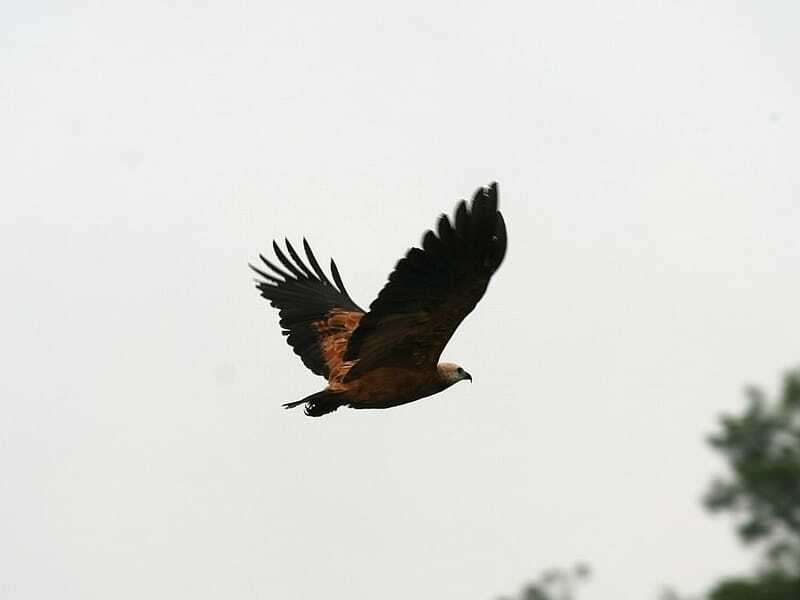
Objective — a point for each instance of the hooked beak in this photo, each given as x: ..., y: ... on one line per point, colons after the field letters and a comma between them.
x: 468, y: 376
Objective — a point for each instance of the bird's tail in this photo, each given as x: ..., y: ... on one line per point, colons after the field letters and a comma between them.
x: 320, y: 403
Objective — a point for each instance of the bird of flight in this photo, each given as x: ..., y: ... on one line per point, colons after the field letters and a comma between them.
x: 388, y: 355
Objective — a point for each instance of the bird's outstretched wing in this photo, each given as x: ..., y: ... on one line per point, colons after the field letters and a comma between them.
x: 431, y: 290
x: 317, y: 316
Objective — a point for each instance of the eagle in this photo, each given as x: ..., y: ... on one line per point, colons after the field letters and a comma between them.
x: 389, y: 355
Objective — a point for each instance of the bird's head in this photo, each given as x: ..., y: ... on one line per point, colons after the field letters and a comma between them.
x: 450, y: 373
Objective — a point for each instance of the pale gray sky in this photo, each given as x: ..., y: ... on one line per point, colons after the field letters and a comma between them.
x: 647, y: 155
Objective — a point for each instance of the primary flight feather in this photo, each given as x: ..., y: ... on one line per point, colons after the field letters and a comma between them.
x: 388, y: 355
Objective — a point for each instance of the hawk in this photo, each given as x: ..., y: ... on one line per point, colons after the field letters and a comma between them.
x: 389, y: 355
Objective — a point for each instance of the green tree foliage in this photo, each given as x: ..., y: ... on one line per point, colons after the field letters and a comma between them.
x: 555, y: 584
x: 773, y: 585
x: 762, y: 449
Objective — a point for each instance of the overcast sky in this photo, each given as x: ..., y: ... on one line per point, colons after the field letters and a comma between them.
x: 647, y: 155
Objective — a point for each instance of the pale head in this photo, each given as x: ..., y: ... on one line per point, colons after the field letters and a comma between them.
x: 450, y: 373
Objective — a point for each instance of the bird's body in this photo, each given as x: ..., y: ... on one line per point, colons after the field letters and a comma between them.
x: 389, y: 355
x: 389, y: 386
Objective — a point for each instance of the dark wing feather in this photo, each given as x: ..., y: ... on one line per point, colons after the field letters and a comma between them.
x: 432, y: 289
x: 316, y: 315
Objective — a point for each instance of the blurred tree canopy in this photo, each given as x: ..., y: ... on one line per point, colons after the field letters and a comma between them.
x: 762, y: 449
x: 771, y: 585
x: 555, y: 584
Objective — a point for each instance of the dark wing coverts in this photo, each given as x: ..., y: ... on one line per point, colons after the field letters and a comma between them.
x: 432, y: 289
x: 313, y: 311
